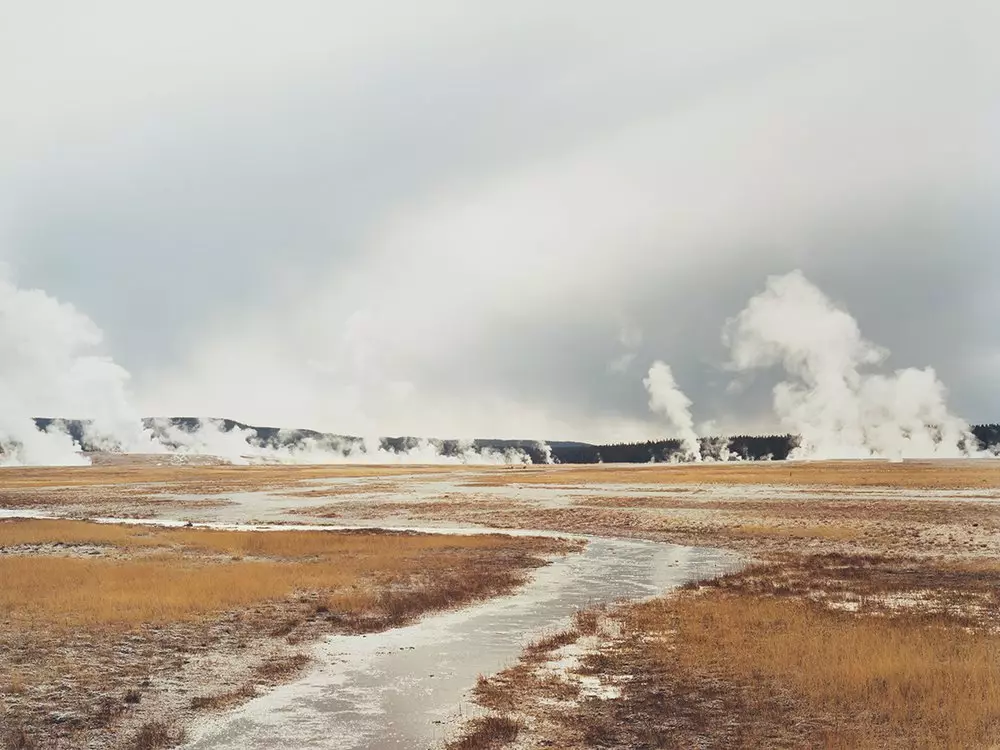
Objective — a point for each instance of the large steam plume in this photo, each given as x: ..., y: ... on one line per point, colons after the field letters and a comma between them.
x: 666, y: 398
x: 831, y: 398
x: 51, y: 366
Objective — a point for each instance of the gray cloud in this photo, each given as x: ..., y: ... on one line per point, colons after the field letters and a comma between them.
x: 369, y: 221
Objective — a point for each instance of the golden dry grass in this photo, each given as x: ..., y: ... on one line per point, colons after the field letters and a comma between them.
x: 179, y: 582
x: 879, y: 682
x: 756, y: 660
x: 487, y: 733
x: 29, y: 532
x: 829, y: 533
x: 975, y: 474
x: 967, y: 474
x: 277, y: 543
x: 116, y: 621
x: 223, y: 478
x: 74, y: 592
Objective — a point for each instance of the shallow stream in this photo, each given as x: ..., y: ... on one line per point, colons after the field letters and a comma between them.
x: 409, y: 687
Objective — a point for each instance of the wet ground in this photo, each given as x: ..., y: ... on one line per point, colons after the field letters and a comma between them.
x: 407, y: 688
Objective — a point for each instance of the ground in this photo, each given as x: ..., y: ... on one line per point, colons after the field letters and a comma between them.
x: 865, y: 616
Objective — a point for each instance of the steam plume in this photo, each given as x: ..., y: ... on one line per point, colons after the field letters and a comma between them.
x: 666, y: 398
x: 52, y: 366
x: 831, y: 399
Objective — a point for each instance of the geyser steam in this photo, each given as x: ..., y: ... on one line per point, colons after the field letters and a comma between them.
x: 667, y: 399
x: 51, y: 366
x: 831, y: 399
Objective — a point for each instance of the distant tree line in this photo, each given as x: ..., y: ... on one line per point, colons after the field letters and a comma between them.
x: 988, y: 435
x: 745, y: 447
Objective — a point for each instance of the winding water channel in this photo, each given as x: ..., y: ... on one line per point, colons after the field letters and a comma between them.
x: 407, y: 688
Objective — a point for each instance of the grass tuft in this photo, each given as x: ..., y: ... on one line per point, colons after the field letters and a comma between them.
x: 155, y: 735
x: 487, y: 732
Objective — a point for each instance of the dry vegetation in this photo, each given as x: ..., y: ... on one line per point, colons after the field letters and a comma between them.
x: 97, y: 621
x: 904, y: 474
x: 869, y: 620
x: 197, y: 572
x: 772, y: 657
x: 222, y: 478
x: 145, y: 488
x: 902, y: 525
x: 487, y: 732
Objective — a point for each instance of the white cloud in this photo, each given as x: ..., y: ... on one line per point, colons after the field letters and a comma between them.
x: 346, y: 217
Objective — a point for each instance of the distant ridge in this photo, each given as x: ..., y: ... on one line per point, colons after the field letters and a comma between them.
x: 746, y: 447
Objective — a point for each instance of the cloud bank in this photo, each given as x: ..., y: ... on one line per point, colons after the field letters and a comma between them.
x: 359, y: 220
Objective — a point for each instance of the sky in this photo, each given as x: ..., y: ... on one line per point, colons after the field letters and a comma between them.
x: 491, y: 219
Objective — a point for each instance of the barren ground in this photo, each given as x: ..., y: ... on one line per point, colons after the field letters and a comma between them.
x: 867, y: 618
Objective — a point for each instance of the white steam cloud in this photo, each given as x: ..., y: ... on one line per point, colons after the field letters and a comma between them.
x: 831, y: 398
x: 667, y: 399
x: 52, y: 367
x: 242, y: 446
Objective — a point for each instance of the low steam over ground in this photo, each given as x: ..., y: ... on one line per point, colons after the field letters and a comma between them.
x: 835, y: 399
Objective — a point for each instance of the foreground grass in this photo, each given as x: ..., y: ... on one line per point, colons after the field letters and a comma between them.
x: 867, y: 681
x: 185, y: 574
x: 771, y: 657
x: 486, y: 733
x: 95, y: 619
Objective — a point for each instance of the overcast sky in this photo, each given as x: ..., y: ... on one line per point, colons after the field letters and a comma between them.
x: 461, y: 219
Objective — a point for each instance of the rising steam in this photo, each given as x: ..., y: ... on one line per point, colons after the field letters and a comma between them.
x: 832, y: 399
x: 667, y: 399
x: 52, y: 365
x: 833, y: 396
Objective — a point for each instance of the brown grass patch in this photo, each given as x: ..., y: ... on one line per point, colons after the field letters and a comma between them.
x: 155, y: 735
x: 17, y: 738
x: 82, y: 626
x: 874, y: 682
x: 487, y: 732
x: 763, y: 658
x: 826, y: 509
x: 182, y: 583
x: 223, y: 700
x: 830, y: 533
x: 280, y: 668
x: 975, y: 473
x: 213, y: 478
x: 539, y: 649
x: 963, y: 594
x: 586, y: 621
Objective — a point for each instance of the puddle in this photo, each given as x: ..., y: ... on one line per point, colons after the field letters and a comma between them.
x: 409, y: 687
